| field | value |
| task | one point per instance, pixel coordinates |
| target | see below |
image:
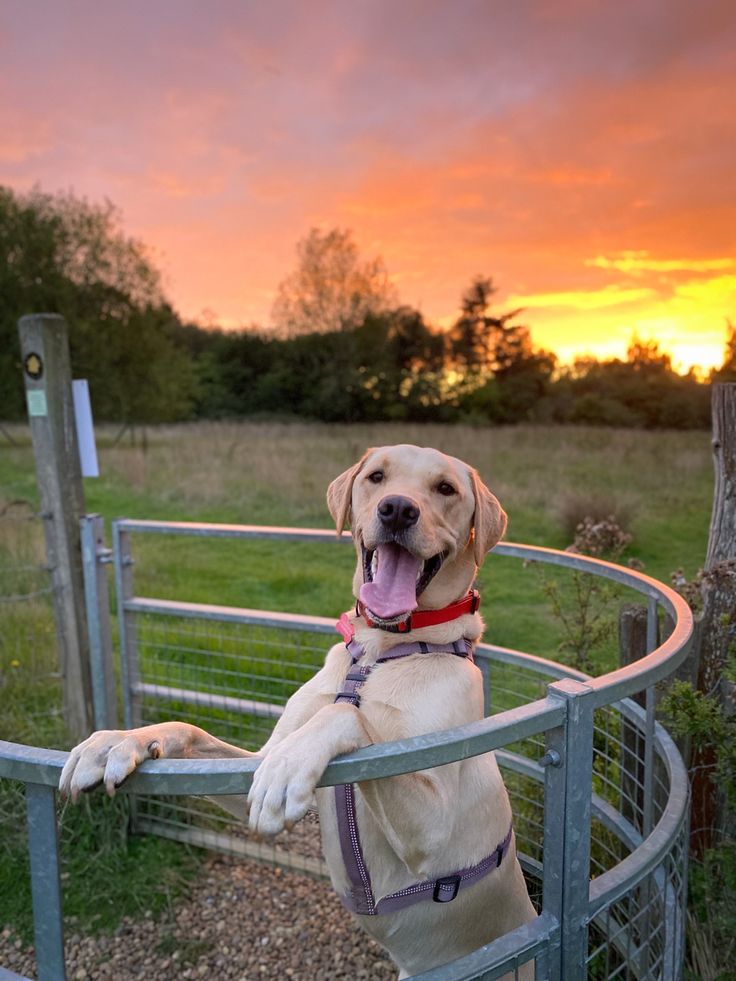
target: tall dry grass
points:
(542, 474)
(539, 465)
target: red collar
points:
(414, 620)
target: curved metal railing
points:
(572, 905)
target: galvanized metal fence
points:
(598, 788)
(29, 662)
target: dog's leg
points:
(298, 710)
(109, 756)
(286, 779)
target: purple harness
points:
(360, 898)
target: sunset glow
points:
(583, 155)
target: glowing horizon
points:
(581, 155)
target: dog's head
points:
(422, 523)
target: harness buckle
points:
(475, 602)
(348, 696)
(446, 889)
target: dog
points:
(427, 860)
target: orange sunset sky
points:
(581, 153)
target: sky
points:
(581, 153)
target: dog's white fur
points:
(414, 826)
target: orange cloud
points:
(608, 296)
(581, 155)
(642, 262)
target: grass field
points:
(658, 484)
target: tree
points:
(646, 357)
(480, 342)
(61, 254)
(331, 289)
(502, 374)
(727, 371)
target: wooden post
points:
(722, 535)
(717, 623)
(47, 375)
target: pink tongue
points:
(393, 590)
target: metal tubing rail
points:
(611, 687)
(569, 702)
(233, 776)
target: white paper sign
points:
(36, 399)
(85, 428)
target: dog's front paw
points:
(107, 756)
(282, 790)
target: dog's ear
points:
(340, 492)
(489, 520)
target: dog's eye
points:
(376, 477)
(447, 489)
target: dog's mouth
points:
(394, 578)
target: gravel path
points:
(243, 920)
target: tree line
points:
(342, 347)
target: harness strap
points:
(360, 898)
(357, 676)
(442, 890)
(353, 681)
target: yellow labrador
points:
(427, 860)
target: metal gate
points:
(598, 789)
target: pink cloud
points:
(517, 140)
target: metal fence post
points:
(47, 375)
(648, 816)
(129, 671)
(43, 846)
(94, 559)
(632, 635)
(568, 792)
(484, 666)
(553, 844)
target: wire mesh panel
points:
(232, 680)
(642, 934)
(28, 647)
(230, 671)
(31, 700)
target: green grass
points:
(277, 474)
(272, 473)
(106, 874)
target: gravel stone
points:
(242, 920)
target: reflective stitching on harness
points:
(357, 850)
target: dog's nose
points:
(398, 513)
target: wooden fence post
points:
(722, 535)
(717, 622)
(47, 375)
